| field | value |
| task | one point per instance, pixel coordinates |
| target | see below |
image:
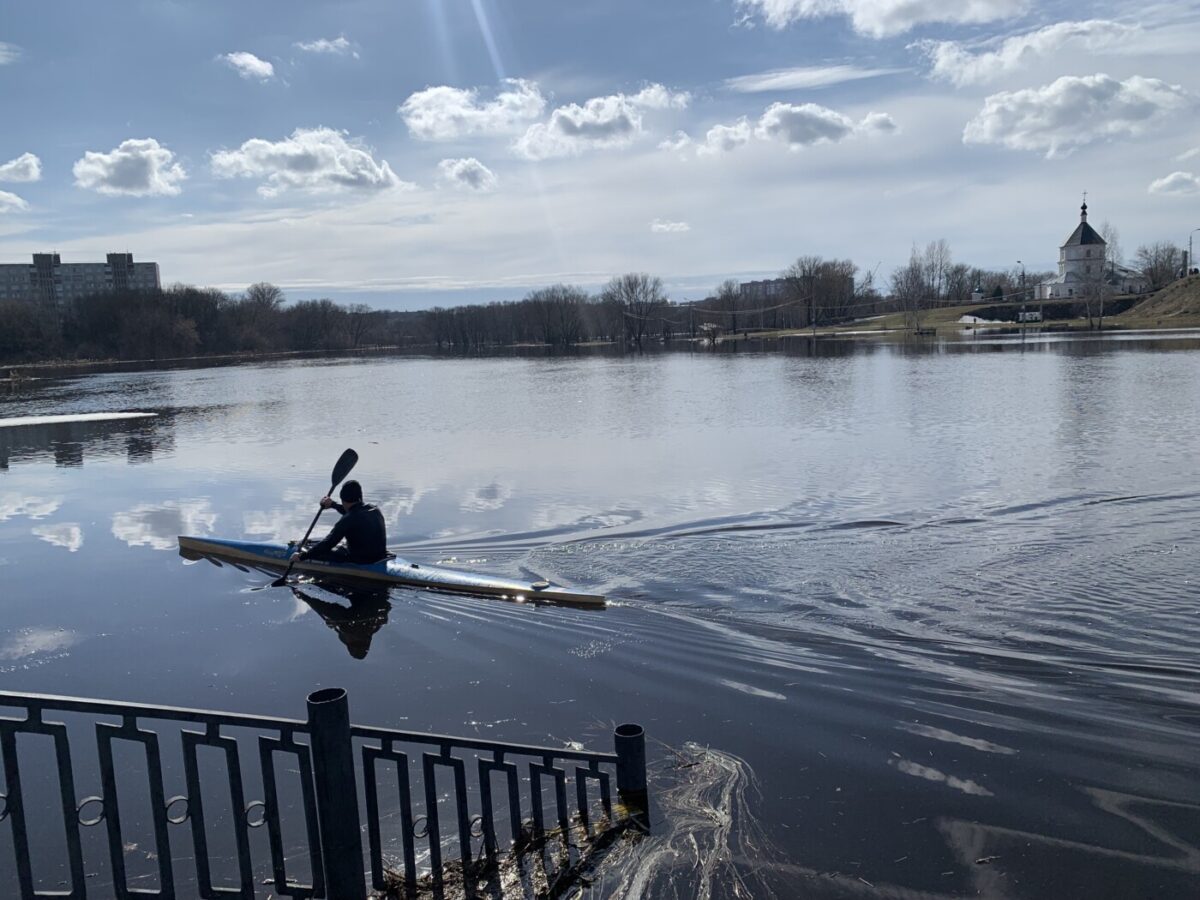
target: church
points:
(1082, 267)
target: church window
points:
(1089, 253)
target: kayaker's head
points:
(351, 493)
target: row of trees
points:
(633, 308)
(185, 321)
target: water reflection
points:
(159, 526)
(958, 575)
(17, 506)
(71, 444)
(355, 624)
(63, 534)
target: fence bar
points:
(337, 794)
(630, 743)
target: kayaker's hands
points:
(297, 557)
(326, 502)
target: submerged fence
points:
(310, 776)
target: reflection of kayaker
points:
(361, 527)
(355, 624)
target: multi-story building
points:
(51, 281)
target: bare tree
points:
(1113, 255)
(358, 318)
(801, 277)
(640, 299)
(559, 312)
(909, 288)
(729, 293)
(1160, 262)
(936, 265)
(265, 295)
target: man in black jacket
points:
(361, 526)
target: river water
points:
(931, 608)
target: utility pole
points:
(1191, 264)
(1022, 265)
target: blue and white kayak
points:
(392, 571)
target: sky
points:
(411, 153)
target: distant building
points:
(763, 293)
(50, 280)
(1082, 265)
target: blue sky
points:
(420, 152)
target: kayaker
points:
(361, 527)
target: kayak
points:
(392, 571)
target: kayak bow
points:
(391, 571)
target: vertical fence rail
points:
(321, 753)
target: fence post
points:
(629, 741)
(337, 794)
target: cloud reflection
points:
(487, 498)
(31, 641)
(159, 526)
(930, 774)
(13, 505)
(65, 534)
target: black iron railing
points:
(323, 805)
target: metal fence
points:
(310, 775)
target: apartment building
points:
(50, 280)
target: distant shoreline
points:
(15, 373)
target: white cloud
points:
(9, 53)
(600, 123)
(138, 168)
(315, 160)
(802, 78)
(338, 46)
(724, 138)
(678, 142)
(24, 168)
(249, 66)
(445, 113)
(883, 18)
(797, 126)
(67, 534)
(877, 123)
(467, 174)
(957, 62)
(1074, 111)
(11, 203)
(1178, 183)
(660, 226)
(800, 126)
(808, 124)
(159, 527)
(1188, 154)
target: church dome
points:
(1083, 233)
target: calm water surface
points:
(936, 606)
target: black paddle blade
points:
(347, 462)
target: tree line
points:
(631, 309)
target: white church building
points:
(1082, 267)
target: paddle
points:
(344, 464)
